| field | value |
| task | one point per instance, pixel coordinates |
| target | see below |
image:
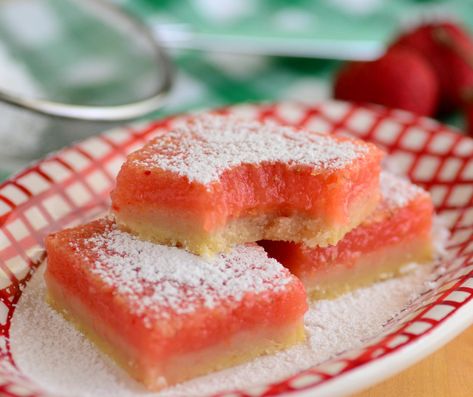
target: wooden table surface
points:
(446, 373)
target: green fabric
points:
(354, 20)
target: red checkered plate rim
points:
(72, 185)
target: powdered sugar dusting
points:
(60, 360)
(204, 147)
(397, 192)
(158, 280)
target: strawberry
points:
(400, 79)
(449, 49)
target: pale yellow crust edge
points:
(241, 348)
(376, 266)
(162, 228)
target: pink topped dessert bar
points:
(166, 315)
(217, 181)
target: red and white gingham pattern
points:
(73, 185)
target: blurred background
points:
(222, 52)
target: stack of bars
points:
(173, 283)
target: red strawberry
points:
(400, 79)
(449, 49)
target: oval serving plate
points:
(72, 186)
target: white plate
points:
(72, 185)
